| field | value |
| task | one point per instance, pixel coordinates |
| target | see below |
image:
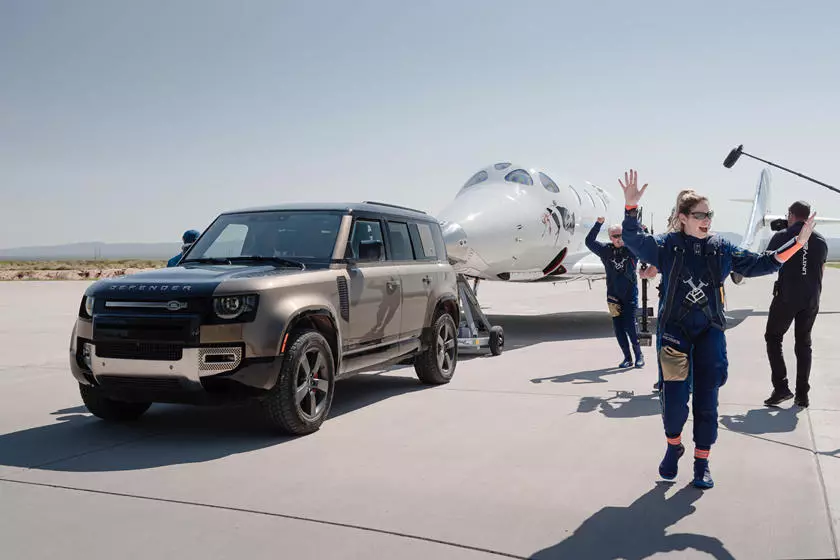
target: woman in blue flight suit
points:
(622, 289)
(690, 328)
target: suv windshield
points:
(282, 237)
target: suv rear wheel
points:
(109, 409)
(301, 399)
(436, 364)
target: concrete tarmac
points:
(547, 451)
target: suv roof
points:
(366, 206)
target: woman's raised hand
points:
(807, 229)
(632, 192)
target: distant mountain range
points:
(93, 250)
(115, 251)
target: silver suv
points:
(274, 304)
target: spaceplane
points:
(513, 223)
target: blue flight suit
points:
(174, 260)
(622, 290)
(187, 239)
(691, 323)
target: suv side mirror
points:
(371, 250)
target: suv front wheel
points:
(301, 399)
(436, 364)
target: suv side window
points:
(427, 241)
(365, 233)
(400, 242)
(440, 245)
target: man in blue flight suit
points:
(622, 289)
(188, 239)
(690, 329)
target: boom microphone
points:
(735, 154)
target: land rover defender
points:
(275, 305)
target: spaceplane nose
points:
(456, 241)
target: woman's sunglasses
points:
(703, 215)
(615, 236)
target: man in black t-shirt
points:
(796, 299)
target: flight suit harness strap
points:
(717, 320)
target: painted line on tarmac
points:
(824, 489)
(269, 514)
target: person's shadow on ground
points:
(762, 421)
(582, 377)
(623, 405)
(638, 530)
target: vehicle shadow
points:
(766, 420)
(522, 331)
(174, 434)
(638, 530)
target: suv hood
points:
(189, 280)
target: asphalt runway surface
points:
(547, 451)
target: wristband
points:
(790, 251)
(630, 207)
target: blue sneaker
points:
(626, 363)
(668, 466)
(702, 475)
(640, 362)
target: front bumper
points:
(204, 374)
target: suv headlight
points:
(86, 307)
(231, 307)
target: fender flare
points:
(301, 314)
(447, 298)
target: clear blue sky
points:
(132, 121)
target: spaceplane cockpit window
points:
(475, 179)
(549, 185)
(519, 176)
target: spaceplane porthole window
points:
(519, 176)
(475, 179)
(500, 166)
(549, 185)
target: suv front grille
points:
(139, 351)
(140, 383)
(145, 329)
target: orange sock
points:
(701, 453)
(674, 440)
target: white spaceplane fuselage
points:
(517, 224)
(512, 223)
